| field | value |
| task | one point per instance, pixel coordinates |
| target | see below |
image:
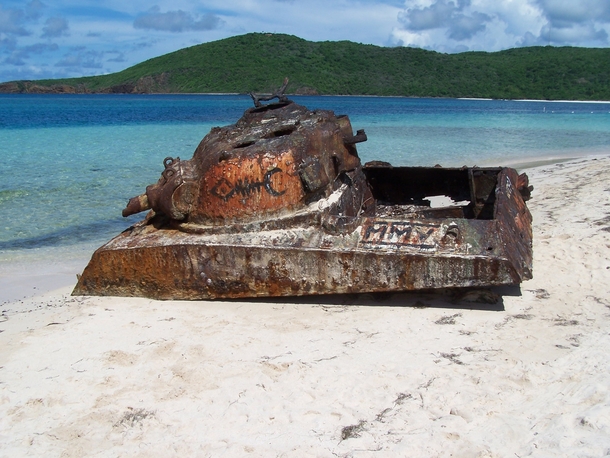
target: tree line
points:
(259, 62)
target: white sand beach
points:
(414, 375)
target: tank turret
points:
(275, 160)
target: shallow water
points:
(70, 162)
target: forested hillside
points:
(259, 62)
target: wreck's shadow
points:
(491, 299)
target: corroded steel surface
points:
(272, 162)
(278, 204)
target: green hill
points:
(259, 62)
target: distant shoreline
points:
(304, 95)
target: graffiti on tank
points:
(420, 235)
(225, 190)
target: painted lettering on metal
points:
(225, 190)
(396, 233)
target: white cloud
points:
(568, 35)
(455, 25)
(81, 57)
(11, 22)
(430, 17)
(55, 27)
(19, 56)
(176, 21)
(565, 13)
(33, 10)
(445, 25)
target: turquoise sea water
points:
(71, 162)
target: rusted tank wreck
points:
(279, 204)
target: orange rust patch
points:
(251, 186)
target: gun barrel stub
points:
(136, 205)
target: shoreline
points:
(27, 273)
(413, 374)
(30, 272)
(307, 95)
(538, 160)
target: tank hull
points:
(483, 238)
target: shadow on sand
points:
(491, 299)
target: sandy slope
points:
(413, 375)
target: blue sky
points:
(71, 38)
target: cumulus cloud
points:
(567, 35)
(464, 27)
(529, 39)
(120, 57)
(81, 58)
(33, 10)
(7, 43)
(11, 22)
(459, 23)
(451, 25)
(562, 13)
(55, 27)
(434, 16)
(175, 21)
(17, 56)
(574, 22)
